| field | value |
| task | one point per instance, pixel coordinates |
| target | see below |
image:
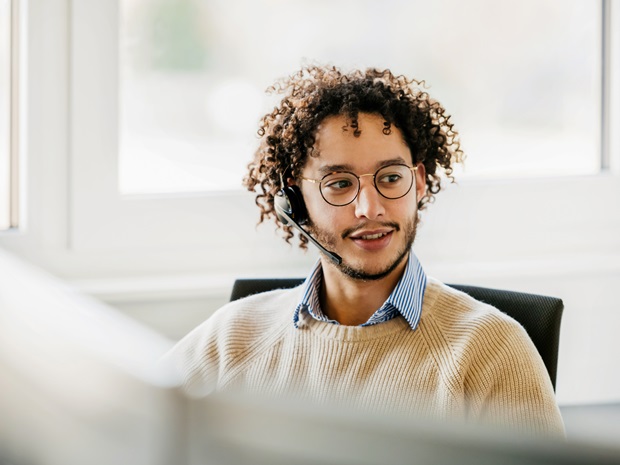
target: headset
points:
(291, 210)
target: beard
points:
(329, 242)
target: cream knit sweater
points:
(466, 360)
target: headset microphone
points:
(289, 204)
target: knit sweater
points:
(466, 360)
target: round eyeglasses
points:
(340, 188)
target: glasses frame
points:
(359, 183)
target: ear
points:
(420, 181)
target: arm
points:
(507, 383)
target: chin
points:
(361, 273)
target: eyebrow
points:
(323, 170)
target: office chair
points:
(539, 315)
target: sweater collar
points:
(406, 299)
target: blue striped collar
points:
(406, 298)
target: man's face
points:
(372, 234)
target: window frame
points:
(10, 132)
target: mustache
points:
(366, 225)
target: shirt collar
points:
(406, 299)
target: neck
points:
(351, 302)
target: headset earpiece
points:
(290, 200)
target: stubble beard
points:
(328, 241)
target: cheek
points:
(402, 208)
(321, 213)
(313, 204)
(311, 201)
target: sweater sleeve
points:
(195, 359)
(507, 383)
(231, 338)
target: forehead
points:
(337, 144)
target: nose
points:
(369, 203)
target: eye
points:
(338, 184)
(389, 178)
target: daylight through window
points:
(521, 79)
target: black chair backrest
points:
(540, 315)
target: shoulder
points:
(232, 335)
(474, 332)
(258, 311)
(503, 375)
(486, 343)
(458, 313)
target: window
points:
(522, 79)
(5, 115)
(154, 227)
(9, 114)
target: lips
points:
(369, 236)
(372, 240)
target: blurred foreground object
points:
(79, 381)
(239, 430)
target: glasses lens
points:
(339, 188)
(394, 181)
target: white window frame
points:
(10, 131)
(5, 92)
(73, 147)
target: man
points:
(349, 160)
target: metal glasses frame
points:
(359, 183)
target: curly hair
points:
(314, 93)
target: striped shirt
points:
(406, 298)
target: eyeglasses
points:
(340, 188)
